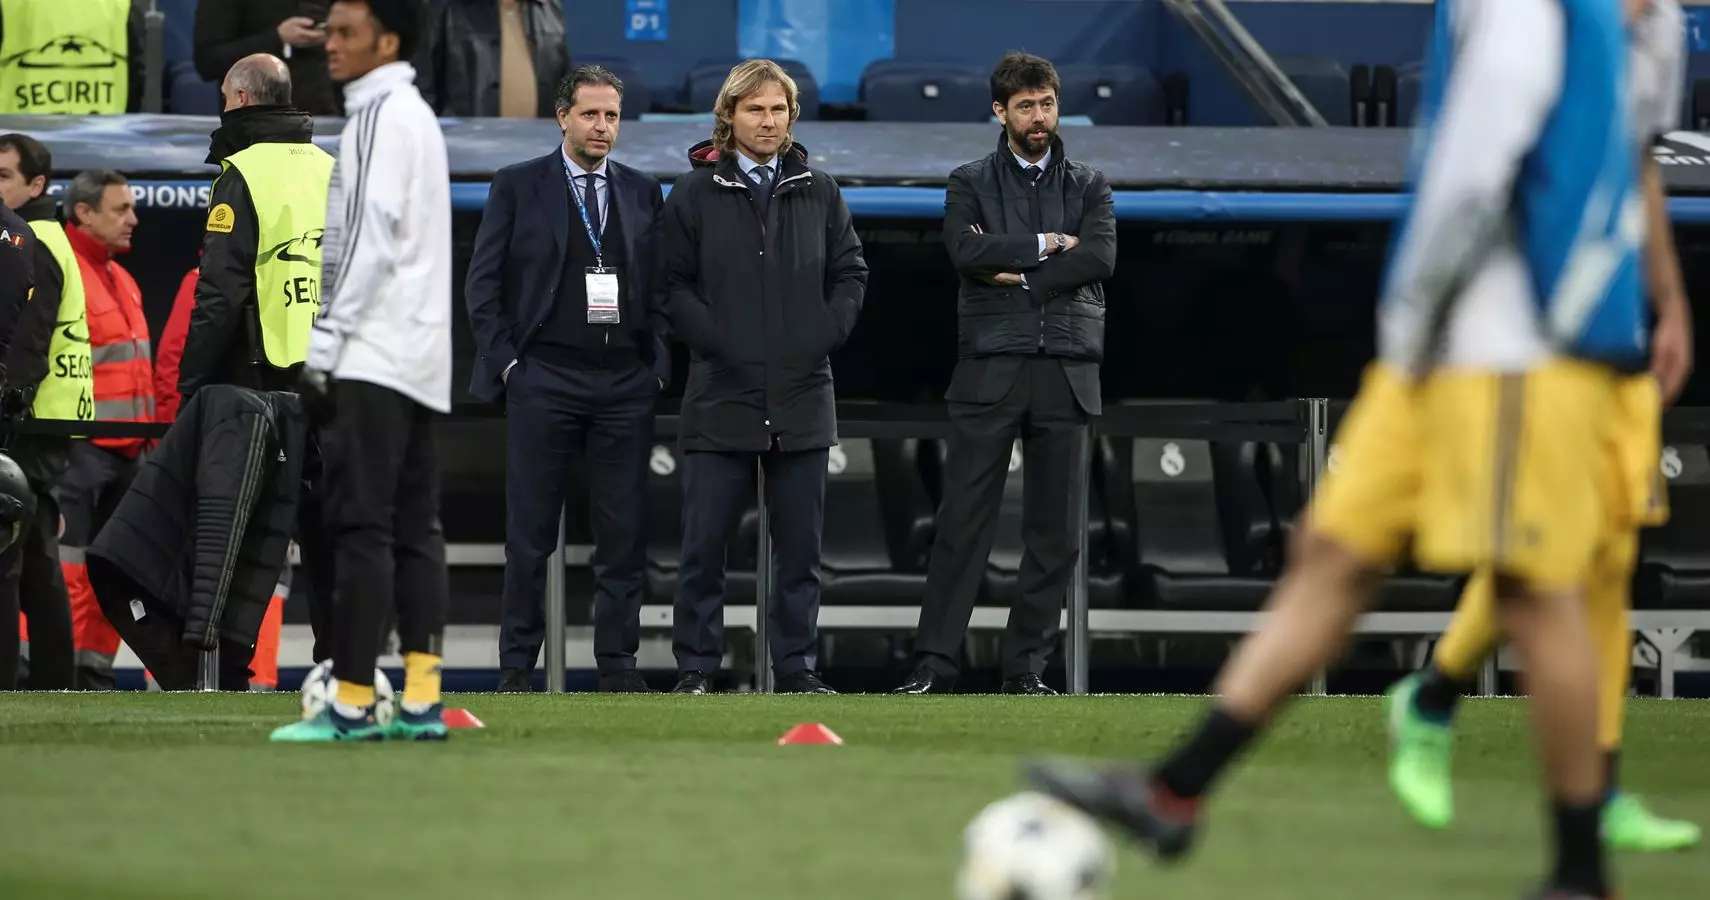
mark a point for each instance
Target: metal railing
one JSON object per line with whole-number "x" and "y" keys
{"x": 1307, "y": 423}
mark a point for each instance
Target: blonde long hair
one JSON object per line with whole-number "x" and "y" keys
{"x": 746, "y": 78}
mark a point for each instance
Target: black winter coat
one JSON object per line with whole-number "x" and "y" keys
{"x": 1061, "y": 311}
{"x": 761, "y": 304}
{"x": 201, "y": 536}
{"x": 459, "y": 61}
{"x": 229, "y": 30}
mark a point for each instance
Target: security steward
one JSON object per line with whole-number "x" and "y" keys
{"x": 18, "y": 247}
{"x": 49, "y": 375}
{"x": 559, "y": 294}
{"x": 71, "y": 57}
{"x": 259, "y": 287}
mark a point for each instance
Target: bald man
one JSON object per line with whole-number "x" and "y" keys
{"x": 259, "y": 286}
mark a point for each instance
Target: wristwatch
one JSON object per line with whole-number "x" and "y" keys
{"x": 1062, "y": 242}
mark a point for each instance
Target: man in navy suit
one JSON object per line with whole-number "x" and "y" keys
{"x": 562, "y": 304}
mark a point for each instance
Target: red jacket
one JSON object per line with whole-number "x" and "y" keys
{"x": 171, "y": 349}
{"x": 118, "y": 341}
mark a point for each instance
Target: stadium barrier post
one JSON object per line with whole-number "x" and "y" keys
{"x": 1318, "y": 455}
{"x": 555, "y": 613}
{"x": 154, "y": 60}
{"x": 208, "y": 672}
{"x": 1079, "y": 644}
{"x": 762, "y": 587}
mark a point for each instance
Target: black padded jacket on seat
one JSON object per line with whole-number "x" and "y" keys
{"x": 201, "y": 536}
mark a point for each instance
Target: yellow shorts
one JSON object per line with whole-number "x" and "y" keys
{"x": 1367, "y": 501}
{"x": 1516, "y": 471}
{"x": 1635, "y": 439}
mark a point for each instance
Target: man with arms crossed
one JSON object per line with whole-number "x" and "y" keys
{"x": 1033, "y": 236}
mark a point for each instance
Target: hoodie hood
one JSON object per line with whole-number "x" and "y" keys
{"x": 241, "y": 128}
{"x": 704, "y": 155}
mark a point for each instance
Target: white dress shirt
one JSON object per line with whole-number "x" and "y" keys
{"x": 602, "y": 187}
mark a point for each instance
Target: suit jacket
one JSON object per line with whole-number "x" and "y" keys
{"x": 519, "y": 259}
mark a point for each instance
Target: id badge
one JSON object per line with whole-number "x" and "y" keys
{"x": 602, "y": 296}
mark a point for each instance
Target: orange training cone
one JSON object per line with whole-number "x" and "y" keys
{"x": 462, "y": 718}
{"x": 809, "y": 733}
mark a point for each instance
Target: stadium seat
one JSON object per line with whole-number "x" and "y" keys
{"x": 877, "y": 525}
{"x": 665, "y": 533}
{"x": 188, "y": 95}
{"x": 1384, "y": 90}
{"x": 1203, "y": 538}
{"x": 1323, "y": 82}
{"x": 1112, "y": 95}
{"x": 1406, "y": 589}
{"x": 1674, "y": 559}
{"x": 1105, "y": 572}
{"x": 704, "y": 79}
{"x": 926, "y": 92}
{"x": 1407, "y": 80}
{"x": 637, "y": 96}
{"x": 1360, "y": 88}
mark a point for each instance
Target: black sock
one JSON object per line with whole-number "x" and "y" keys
{"x": 1194, "y": 764}
{"x": 1439, "y": 695}
{"x": 1579, "y": 849}
{"x": 1611, "y": 772}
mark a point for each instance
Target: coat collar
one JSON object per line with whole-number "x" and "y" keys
{"x": 1006, "y": 153}
{"x": 554, "y": 194}
{"x": 374, "y": 86}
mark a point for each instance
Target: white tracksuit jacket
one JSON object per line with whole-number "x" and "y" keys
{"x": 385, "y": 315}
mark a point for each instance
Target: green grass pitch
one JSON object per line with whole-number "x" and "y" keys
{"x": 134, "y": 796}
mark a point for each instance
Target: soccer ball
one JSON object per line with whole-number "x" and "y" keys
{"x": 321, "y": 688}
{"x": 1033, "y": 847}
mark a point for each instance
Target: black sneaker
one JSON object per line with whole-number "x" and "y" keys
{"x": 1028, "y": 684}
{"x": 515, "y": 681}
{"x": 924, "y": 680}
{"x": 692, "y": 683}
{"x": 627, "y": 681}
{"x": 804, "y": 682}
{"x": 1557, "y": 893}
{"x": 1125, "y": 798}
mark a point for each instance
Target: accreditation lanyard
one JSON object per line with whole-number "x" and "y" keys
{"x": 602, "y": 283}
{"x": 581, "y": 207}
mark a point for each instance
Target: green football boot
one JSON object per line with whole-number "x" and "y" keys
{"x": 426, "y": 726}
{"x": 1420, "y": 751}
{"x": 327, "y": 726}
{"x": 1628, "y": 825}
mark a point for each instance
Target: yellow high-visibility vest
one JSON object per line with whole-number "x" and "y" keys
{"x": 69, "y": 57}
{"x": 68, "y": 391}
{"x": 288, "y": 184}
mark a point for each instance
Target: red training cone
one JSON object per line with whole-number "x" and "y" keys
{"x": 809, "y": 733}
{"x": 462, "y": 718}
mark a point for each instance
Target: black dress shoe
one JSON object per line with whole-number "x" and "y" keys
{"x": 692, "y": 683}
{"x": 515, "y": 681}
{"x": 805, "y": 682}
{"x": 1027, "y": 684}
{"x": 927, "y": 681}
{"x": 627, "y": 681}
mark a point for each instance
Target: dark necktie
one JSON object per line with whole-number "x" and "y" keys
{"x": 591, "y": 198}
{"x": 762, "y": 176}
{"x": 1035, "y": 173}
